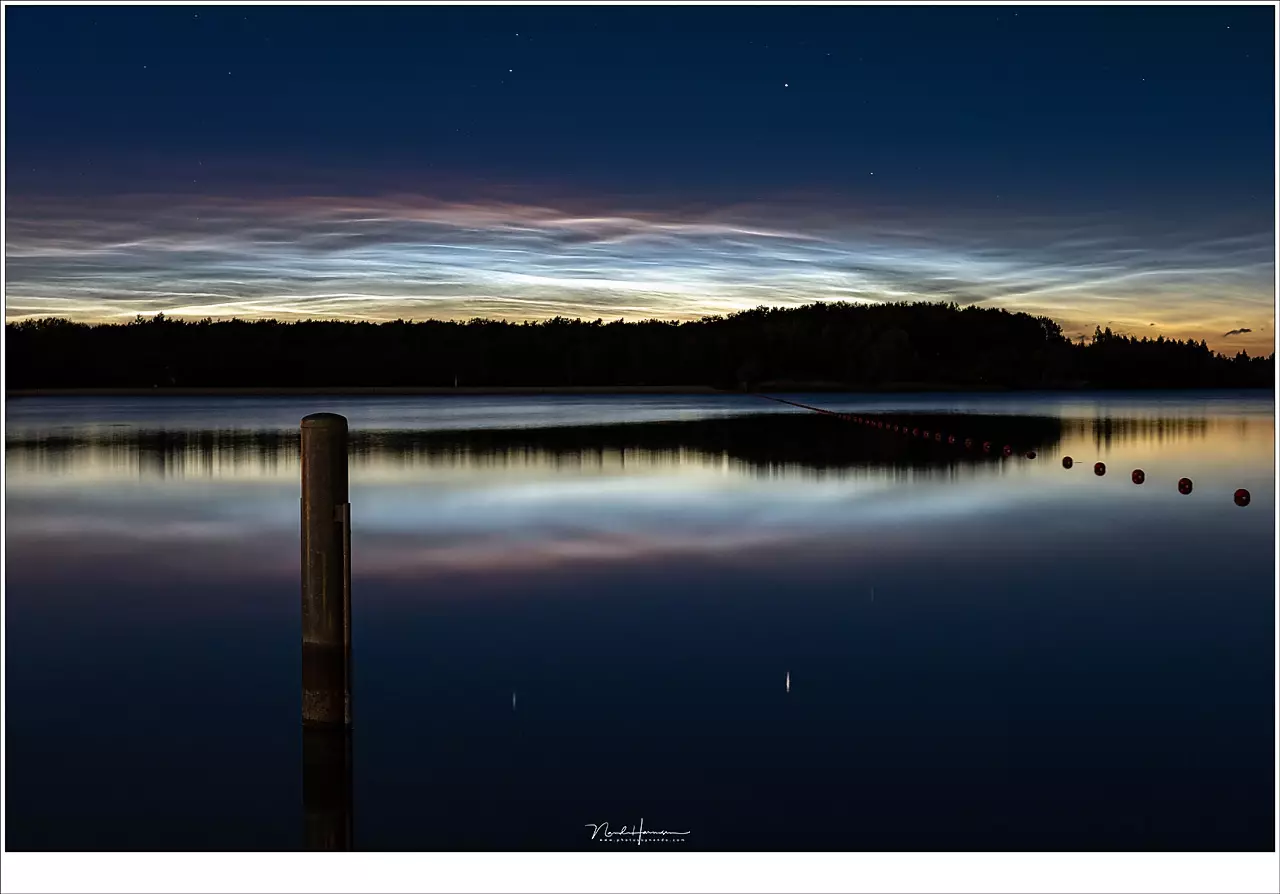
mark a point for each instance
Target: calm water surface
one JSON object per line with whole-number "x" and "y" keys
{"x": 766, "y": 628}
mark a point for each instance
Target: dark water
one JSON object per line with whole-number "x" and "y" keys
{"x": 765, "y": 628}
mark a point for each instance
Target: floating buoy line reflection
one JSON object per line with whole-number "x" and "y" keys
{"x": 1138, "y": 476}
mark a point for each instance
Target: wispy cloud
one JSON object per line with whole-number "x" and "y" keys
{"x": 413, "y": 256}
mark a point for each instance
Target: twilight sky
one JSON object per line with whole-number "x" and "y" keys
{"x": 1102, "y": 165}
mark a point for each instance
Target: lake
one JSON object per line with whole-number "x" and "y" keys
{"x": 754, "y": 625}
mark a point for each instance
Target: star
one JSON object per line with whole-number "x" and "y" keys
{"x": 786, "y": 85}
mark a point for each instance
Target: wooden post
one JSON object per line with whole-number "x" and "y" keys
{"x": 326, "y": 634}
{"x": 326, "y": 573}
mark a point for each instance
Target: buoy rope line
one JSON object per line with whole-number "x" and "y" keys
{"x": 1099, "y": 468}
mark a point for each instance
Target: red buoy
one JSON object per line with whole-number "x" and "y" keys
{"x": 986, "y": 446}
{"x": 1099, "y": 468}
{"x": 926, "y": 433}
{"x": 951, "y": 439}
{"x": 915, "y": 432}
{"x": 1139, "y": 476}
{"x": 1184, "y": 485}
{"x": 1031, "y": 454}
{"x": 1066, "y": 462}
{"x": 937, "y": 436}
{"x": 1242, "y": 497}
{"x": 1008, "y": 451}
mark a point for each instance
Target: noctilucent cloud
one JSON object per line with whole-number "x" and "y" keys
{"x": 1106, "y": 166}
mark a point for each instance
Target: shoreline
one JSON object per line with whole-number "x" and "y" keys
{"x": 365, "y": 391}
{"x": 536, "y": 391}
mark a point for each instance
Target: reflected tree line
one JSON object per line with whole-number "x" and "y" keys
{"x": 837, "y": 345}
{"x": 765, "y": 443}
{"x": 1107, "y": 431}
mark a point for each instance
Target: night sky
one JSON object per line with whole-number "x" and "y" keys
{"x": 1102, "y": 165}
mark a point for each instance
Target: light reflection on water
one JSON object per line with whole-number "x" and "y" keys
{"x": 1052, "y": 632}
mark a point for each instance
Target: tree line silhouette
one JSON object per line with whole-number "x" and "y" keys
{"x": 832, "y": 345}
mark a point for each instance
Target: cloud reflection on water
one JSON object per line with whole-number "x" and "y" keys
{"x": 524, "y": 499}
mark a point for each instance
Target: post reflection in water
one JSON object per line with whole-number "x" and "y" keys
{"x": 327, "y": 769}
{"x": 999, "y": 653}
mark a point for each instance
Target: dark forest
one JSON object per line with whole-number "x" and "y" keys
{"x": 824, "y": 345}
